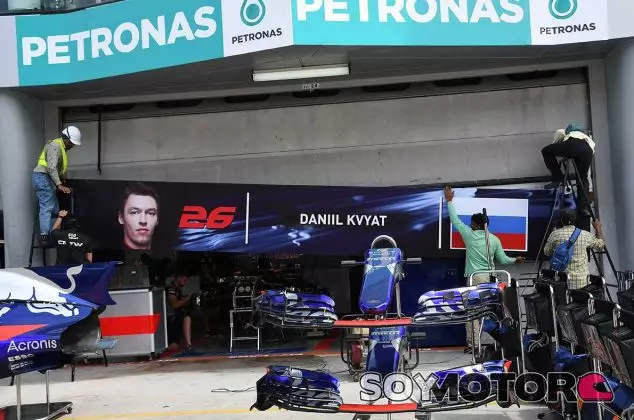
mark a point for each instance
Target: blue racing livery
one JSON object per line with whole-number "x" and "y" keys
{"x": 296, "y": 310}
{"x": 387, "y": 340}
{"x": 385, "y": 349}
{"x": 463, "y": 303}
{"x": 43, "y": 324}
{"x": 378, "y": 280}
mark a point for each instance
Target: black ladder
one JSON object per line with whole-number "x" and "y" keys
{"x": 578, "y": 183}
{"x": 568, "y": 185}
{"x": 39, "y": 245}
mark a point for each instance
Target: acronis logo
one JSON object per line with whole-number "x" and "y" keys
{"x": 32, "y": 345}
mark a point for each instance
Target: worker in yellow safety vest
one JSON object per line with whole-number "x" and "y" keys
{"x": 49, "y": 174}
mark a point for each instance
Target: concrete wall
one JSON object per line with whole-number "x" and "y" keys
{"x": 619, "y": 18}
{"x": 21, "y": 139}
{"x": 605, "y": 201}
{"x": 620, "y": 93}
{"x": 443, "y": 138}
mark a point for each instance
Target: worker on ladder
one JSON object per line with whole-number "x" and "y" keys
{"x": 571, "y": 143}
{"x": 49, "y": 175}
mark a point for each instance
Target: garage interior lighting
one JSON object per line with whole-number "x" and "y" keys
{"x": 300, "y": 73}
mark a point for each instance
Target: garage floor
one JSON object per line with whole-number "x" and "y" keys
{"x": 182, "y": 389}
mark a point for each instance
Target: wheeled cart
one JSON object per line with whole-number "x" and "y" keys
{"x": 40, "y": 411}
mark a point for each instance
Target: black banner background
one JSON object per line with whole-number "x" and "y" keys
{"x": 411, "y": 217}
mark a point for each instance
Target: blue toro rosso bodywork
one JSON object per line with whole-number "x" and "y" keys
{"x": 382, "y": 271}
{"x": 298, "y": 390}
{"x": 49, "y": 315}
{"x": 290, "y": 309}
{"x": 462, "y": 304}
{"x": 388, "y": 347}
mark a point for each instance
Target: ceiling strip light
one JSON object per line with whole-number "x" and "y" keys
{"x": 300, "y": 73}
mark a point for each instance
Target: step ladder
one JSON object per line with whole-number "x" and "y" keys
{"x": 571, "y": 186}
{"x": 243, "y": 301}
{"x": 35, "y": 240}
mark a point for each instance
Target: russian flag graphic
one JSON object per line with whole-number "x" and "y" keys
{"x": 508, "y": 220}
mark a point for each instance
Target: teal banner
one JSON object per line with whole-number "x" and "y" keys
{"x": 132, "y": 36}
{"x": 115, "y": 39}
{"x": 411, "y": 22}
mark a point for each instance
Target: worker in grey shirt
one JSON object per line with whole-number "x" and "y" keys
{"x": 49, "y": 174}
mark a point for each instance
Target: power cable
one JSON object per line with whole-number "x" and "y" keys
{"x": 233, "y": 390}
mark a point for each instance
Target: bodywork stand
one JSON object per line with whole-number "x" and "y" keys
{"x": 42, "y": 411}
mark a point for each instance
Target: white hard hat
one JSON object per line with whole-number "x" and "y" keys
{"x": 73, "y": 134}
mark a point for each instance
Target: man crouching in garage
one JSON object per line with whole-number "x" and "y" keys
{"x": 73, "y": 246}
{"x": 180, "y": 322}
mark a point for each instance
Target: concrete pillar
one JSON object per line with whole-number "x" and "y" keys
{"x": 21, "y": 139}
{"x": 603, "y": 182}
{"x": 620, "y": 95}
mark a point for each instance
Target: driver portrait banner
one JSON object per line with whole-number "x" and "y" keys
{"x": 162, "y": 217}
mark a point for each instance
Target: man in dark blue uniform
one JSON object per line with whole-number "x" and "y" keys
{"x": 180, "y": 322}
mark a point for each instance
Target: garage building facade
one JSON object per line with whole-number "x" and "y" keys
{"x": 415, "y": 116}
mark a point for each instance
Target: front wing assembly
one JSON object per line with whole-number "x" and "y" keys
{"x": 305, "y": 390}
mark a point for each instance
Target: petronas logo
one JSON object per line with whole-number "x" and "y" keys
{"x": 252, "y": 12}
{"x": 562, "y": 9}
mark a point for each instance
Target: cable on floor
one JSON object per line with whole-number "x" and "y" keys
{"x": 233, "y": 390}
{"x": 323, "y": 368}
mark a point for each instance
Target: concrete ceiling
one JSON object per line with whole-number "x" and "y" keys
{"x": 366, "y": 63}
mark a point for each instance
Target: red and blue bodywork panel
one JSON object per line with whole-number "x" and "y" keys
{"x": 37, "y": 307}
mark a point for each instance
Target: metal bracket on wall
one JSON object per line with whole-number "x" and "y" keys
{"x": 99, "y": 119}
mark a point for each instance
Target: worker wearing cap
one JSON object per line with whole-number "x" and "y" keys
{"x": 49, "y": 174}
{"x": 571, "y": 143}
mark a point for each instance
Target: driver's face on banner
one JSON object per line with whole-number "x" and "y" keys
{"x": 139, "y": 220}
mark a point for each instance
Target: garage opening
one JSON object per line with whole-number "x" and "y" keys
{"x": 473, "y": 132}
